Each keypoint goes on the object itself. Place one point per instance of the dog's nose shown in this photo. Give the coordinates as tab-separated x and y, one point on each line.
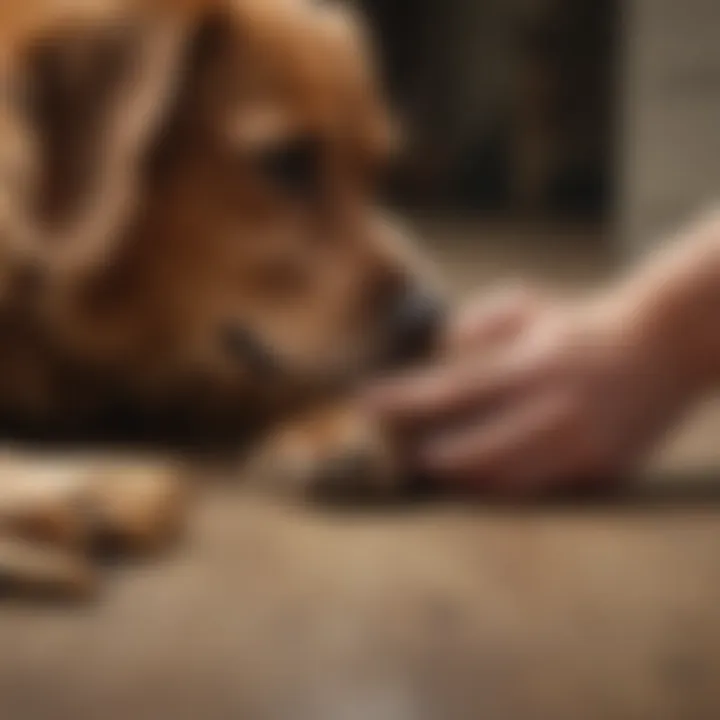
415	323
243	345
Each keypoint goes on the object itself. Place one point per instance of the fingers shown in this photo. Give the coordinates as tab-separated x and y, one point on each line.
531	448
479	363
509	409
454	389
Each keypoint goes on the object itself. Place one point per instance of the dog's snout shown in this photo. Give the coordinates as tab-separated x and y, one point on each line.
415	323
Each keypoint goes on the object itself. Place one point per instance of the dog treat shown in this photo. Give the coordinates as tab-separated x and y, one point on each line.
36	570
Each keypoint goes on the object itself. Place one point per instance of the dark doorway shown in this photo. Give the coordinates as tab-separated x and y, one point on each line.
509	104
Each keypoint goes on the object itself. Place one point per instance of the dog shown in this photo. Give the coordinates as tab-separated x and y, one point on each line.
192	253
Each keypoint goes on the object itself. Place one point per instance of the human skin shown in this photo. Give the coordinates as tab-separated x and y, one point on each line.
535	392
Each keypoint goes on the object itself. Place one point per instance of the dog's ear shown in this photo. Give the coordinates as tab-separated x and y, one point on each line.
77	82
96	95
190	109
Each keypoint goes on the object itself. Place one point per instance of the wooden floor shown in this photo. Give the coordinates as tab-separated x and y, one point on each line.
429	613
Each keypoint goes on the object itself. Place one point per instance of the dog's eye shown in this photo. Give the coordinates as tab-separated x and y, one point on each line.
295	167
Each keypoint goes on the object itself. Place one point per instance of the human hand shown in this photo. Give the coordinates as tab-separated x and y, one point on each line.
536	393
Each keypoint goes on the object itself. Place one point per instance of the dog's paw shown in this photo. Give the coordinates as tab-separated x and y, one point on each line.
59	514
332	455
34	570
91	503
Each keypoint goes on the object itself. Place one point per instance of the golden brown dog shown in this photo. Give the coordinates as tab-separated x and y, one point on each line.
191	251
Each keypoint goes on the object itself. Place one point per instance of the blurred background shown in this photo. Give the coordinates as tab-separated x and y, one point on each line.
599	112
510	105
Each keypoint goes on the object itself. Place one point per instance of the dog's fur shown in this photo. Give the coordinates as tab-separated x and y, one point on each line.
189	242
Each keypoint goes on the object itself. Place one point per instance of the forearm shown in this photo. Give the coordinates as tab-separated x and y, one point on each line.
673	301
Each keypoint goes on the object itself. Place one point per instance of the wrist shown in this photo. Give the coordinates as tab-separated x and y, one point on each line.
671	308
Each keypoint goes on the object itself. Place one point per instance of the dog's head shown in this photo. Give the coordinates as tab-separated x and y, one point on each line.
257	252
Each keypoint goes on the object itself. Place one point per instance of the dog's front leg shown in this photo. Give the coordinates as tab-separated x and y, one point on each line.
333	452
31	569
57	513
90	502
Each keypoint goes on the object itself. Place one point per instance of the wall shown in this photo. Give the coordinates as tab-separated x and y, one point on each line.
670	154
